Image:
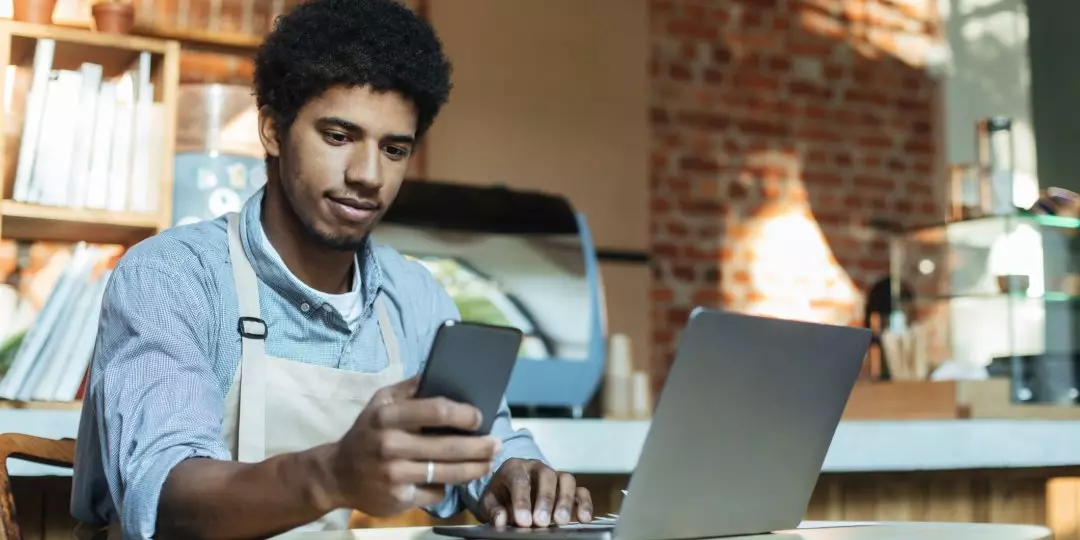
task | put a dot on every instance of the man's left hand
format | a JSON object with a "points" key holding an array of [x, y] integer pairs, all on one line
{"points": [[509, 497]]}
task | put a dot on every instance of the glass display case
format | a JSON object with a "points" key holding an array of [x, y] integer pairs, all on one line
{"points": [[1001, 291]]}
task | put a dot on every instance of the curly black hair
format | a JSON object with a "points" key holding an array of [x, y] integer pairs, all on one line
{"points": [[325, 43]]}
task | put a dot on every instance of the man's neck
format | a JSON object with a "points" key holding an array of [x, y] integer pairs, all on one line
{"points": [[323, 269]]}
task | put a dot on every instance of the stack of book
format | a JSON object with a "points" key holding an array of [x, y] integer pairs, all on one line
{"points": [[88, 141], [50, 359]]}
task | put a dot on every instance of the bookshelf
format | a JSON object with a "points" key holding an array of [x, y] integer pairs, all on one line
{"points": [[86, 156], [117, 55]]}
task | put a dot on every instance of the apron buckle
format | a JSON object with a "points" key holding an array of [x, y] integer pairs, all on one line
{"points": [[251, 327]]}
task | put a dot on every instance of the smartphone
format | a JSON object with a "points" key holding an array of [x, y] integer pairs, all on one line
{"points": [[470, 363]]}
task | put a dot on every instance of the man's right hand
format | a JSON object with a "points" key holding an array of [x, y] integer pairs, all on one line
{"points": [[380, 466]]}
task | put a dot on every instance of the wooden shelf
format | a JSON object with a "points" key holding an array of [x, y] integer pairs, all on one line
{"points": [[226, 42], [23, 221], [74, 46], [117, 54]]}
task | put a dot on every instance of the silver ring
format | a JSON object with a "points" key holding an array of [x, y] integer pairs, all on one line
{"points": [[430, 472]]}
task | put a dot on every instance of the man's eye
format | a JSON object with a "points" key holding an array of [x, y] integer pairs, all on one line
{"points": [[397, 152], [336, 137]]}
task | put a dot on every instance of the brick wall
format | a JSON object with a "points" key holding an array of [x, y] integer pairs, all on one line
{"points": [[780, 129]]}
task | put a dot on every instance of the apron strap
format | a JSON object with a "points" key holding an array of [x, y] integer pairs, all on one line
{"points": [[393, 354], [251, 431]]}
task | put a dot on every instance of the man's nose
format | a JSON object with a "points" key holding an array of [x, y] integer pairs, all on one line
{"points": [[364, 165]]}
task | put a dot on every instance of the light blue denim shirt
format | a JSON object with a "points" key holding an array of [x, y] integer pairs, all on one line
{"points": [[167, 349]]}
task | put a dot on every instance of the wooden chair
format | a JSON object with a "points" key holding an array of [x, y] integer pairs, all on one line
{"points": [[57, 452]]}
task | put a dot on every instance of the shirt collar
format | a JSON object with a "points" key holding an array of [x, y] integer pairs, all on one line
{"points": [[272, 272]]}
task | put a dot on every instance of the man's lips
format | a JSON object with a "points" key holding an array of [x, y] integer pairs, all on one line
{"points": [[353, 209]]}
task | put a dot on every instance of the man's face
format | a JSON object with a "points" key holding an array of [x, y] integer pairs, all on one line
{"points": [[343, 160]]}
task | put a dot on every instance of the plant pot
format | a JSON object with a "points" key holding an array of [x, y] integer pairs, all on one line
{"points": [[113, 17], [33, 11]]}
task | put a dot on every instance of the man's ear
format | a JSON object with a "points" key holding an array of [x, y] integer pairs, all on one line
{"points": [[268, 133]]}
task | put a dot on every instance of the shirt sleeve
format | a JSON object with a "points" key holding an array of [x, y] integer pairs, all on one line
{"points": [[156, 400], [516, 443]]}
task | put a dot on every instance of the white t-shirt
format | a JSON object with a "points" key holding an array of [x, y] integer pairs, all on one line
{"points": [[349, 304]]}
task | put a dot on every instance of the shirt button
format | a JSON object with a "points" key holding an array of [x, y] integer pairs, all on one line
{"points": [[305, 307]]}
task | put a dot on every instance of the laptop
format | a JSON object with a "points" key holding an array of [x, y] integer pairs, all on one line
{"points": [[738, 436]]}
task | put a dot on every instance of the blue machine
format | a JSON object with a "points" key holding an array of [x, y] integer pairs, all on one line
{"points": [[536, 252]]}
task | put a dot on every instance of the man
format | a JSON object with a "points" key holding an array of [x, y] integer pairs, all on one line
{"points": [[255, 373]]}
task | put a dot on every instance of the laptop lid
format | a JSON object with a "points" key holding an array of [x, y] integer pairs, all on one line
{"points": [[742, 426]]}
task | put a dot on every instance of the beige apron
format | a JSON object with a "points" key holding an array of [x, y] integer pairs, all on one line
{"points": [[310, 406]]}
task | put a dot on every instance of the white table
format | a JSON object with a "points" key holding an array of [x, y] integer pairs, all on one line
{"points": [[807, 531]]}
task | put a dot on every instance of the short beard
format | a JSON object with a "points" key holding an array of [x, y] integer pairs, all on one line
{"points": [[337, 243]]}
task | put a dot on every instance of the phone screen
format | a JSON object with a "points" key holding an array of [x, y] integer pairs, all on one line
{"points": [[471, 363]]}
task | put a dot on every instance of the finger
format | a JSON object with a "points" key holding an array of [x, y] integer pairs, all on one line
{"points": [[412, 415], [564, 505], [547, 482], [398, 444], [494, 511], [395, 392], [519, 484], [584, 505], [415, 472]]}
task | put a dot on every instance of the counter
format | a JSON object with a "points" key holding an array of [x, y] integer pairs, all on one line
{"points": [[991, 471], [612, 446]]}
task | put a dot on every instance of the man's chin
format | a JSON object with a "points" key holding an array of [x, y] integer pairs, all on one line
{"points": [[339, 241]]}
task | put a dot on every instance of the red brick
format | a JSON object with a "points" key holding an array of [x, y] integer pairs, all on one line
{"points": [[677, 230], [913, 106], [678, 315], [707, 297], [868, 97], [822, 179], [692, 29], [684, 273], [780, 64], [714, 76], [915, 146], [721, 56], [660, 205], [679, 72], [699, 164], [816, 111], [664, 250], [662, 295], [920, 189], [760, 127], [876, 141], [696, 254], [817, 156], [750, 81], [703, 120], [818, 134], [809, 90], [811, 47], [696, 207]]}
